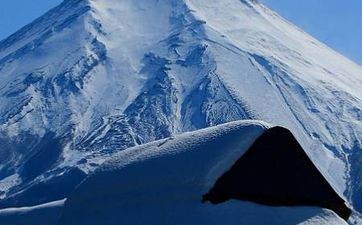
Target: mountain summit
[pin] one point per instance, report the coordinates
(91, 78)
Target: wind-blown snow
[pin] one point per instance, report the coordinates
(93, 77)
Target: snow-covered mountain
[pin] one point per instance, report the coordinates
(93, 77)
(165, 182)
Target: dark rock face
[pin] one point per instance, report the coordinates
(276, 171)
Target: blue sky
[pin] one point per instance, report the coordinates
(15, 14)
(336, 23)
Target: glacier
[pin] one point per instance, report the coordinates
(93, 77)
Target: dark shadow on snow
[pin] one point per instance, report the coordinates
(276, 171)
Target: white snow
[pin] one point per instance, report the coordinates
(45, 214)
(163, 183)
(224, 60)
(9, 182)
(317, 92)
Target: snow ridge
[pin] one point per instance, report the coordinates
(98, 76)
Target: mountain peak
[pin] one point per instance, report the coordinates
(96, 77)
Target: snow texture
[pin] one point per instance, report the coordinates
(93, 77)
(45, 214)
(163, 183)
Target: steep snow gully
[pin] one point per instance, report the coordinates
(91, 78)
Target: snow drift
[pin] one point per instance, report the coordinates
(45, 214)
(276, 171)
(163, 182)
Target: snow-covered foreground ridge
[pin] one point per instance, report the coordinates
(93, 77)
(45, 214)
(163, 182)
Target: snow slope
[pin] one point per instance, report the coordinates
(45, 214)
(163, 183)
(93, 77)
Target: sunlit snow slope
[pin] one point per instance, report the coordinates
(93, 77)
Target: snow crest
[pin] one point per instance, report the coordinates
(91, 78)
